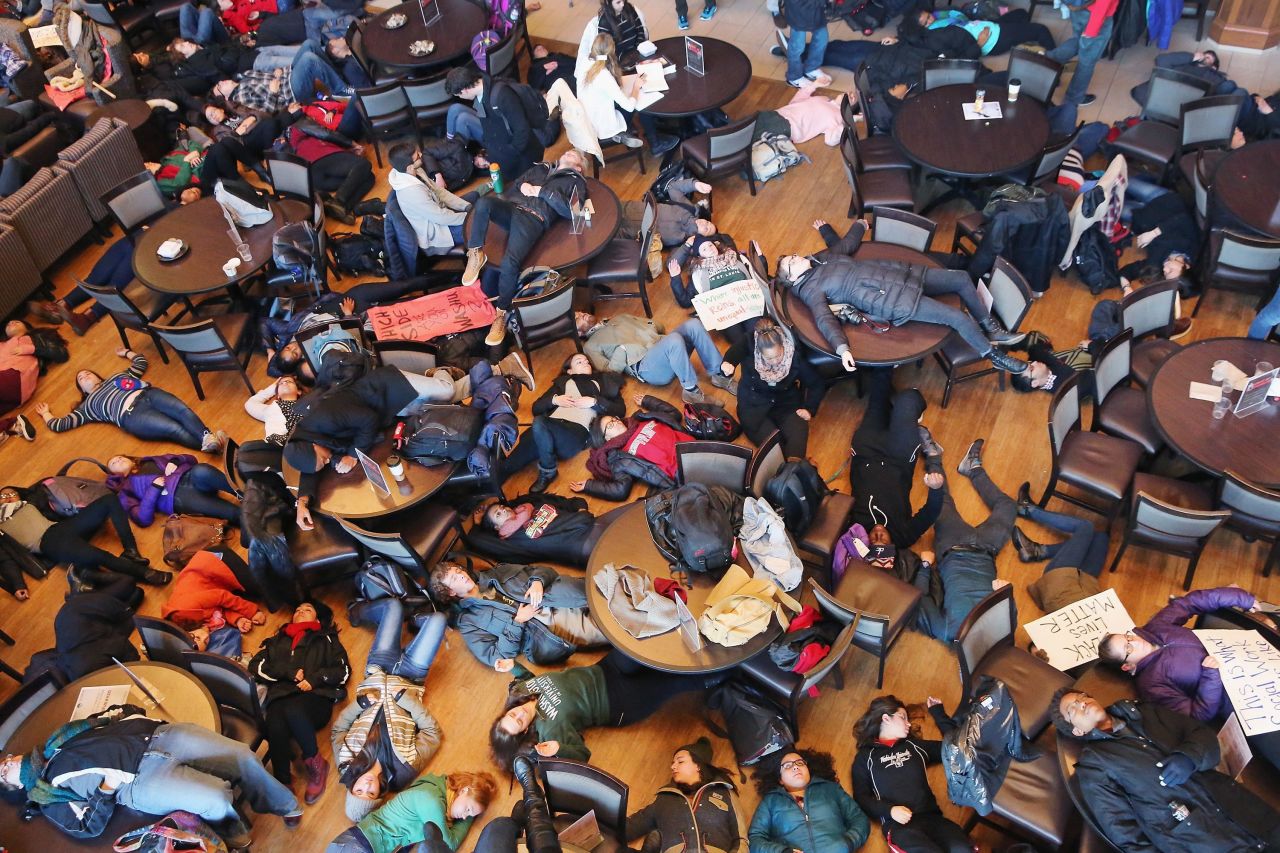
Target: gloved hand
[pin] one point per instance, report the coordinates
(1177, 769)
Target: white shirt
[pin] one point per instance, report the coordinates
(269, 413)
(601, 97)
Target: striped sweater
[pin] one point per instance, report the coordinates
(105, 404)
(415, 734)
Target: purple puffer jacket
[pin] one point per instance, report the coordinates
(139, 494)
(1172, 675)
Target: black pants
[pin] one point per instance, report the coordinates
(547, 441)
(67, 541)
(759, 422)
(889, 423)
(523, 232)
(157, 415)
(991, 535)
(345, 174)
(927, 833)
(682, 7)
(294, 719)
(635, 691)
(1016, 28)
(198, 490)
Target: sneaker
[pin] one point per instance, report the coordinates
(513, 366)
(663, 144)
(1181, 327)
(708, 13)
(972, 460)
(629, 140)
(682, 22)
(927, 444)
(777, 51)
(336, 211)
(26, 429)
(725, 383)
(798, 82)
(497, 329)
(693, 395)
(818, 77)
(476, 259)
(1088, 99)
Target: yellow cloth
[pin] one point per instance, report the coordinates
(739, 608)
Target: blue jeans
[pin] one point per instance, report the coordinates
(928, 310)
(669, 357)
(1089, 51)
(114, 269)
(1268, 318)
(197, 493)
(310, 64)
(413, 662)
(463, 121)
(157, 415)
(812, 58)
(1085, 548)
(202, 26)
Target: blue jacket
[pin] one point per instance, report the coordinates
(400, 242)
(1161, 16)
(830, 822)
(488, 625)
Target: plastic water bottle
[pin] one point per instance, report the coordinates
(495, 177)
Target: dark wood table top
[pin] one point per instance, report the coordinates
(900, 344)
(560, 248)
(459, 22)
(203, 227)
(1246, 184)
(627, 542)
(131, 111)
(931, 129)
(728, 71)
(1243, 445)
(351, 495)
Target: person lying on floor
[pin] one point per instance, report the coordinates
(167, 484)
(208, 599)
(541, 525)
(642, 447)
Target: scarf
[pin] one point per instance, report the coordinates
(32, 768)
(521, 517)
(598, 459)
(775, 370)
(297, 630)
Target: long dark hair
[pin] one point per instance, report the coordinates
(506, 746)
(867, 729)
(612, 22)
(821, 766)
(363, 761)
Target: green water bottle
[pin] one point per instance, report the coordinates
(495, 177)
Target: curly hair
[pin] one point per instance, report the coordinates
(867, 729)
(821, 766)
(1060, 722)
(436, 588)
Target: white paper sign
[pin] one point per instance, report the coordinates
(1070, 636)
(93, 700)
(1250, 669)
(990, 109)
(729, 305)
(45, 36)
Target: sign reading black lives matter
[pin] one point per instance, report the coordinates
(1070, 636)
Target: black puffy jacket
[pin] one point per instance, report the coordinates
(626, 468)
(319, 655)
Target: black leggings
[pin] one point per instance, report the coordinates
(198, 490)
(927, 833)
(1016, 28)
(67, 541)
(294, 719)
(635, 691)
(345, 174)
(157, 415)
(545, 442)
(759, 423)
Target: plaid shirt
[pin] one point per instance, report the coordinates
(255, 92)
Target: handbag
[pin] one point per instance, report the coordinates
(710, 422)
(176, 831)
(184, 535)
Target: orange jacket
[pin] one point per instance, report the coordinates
(204, 585)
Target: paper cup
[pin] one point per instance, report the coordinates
(231, 266)
(1015, 86)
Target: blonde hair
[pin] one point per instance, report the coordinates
(603, 46)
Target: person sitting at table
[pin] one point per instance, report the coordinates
(678, 219)
(803, 808)
(509, 138)
(891, 784)
(207, 599)
(78, 776)
(996, 37)
(700, 801)
(136, 406)
(304, 669)
(889, 292)
(493, 610)
(634, 346)
(435, 214)
(624, 23)
(530, 206)
(1147, 775)
(613, 113)
(170, 483)
(779, 390)
(548, 714)
(642, 447)
(275, 406)
(1171, 667)
(434, 807)
(537, 525)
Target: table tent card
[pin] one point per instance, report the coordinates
(694, 57)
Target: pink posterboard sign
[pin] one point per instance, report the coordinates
(445, 313)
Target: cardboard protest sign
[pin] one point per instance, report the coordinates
(1070, 636)
(1250, 668)
(730, 304)
(445, 313)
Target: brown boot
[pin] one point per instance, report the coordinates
(513, 366)
(46, 311)
(497, 329)
(317, 778)
(79, 323)
(476, 259)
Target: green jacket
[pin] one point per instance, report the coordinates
(830, 822)
(569, 702)
(399, 822)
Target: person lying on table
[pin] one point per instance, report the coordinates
(892, 292)
(531, 205)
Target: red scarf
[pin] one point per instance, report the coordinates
(298, 630)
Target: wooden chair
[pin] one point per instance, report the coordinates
(314, 340)
(790, 687)
(875, 603)
(949, 72)
(713, 463)
(135, 202)
(1239, 262)
(902, 228)
(428, 99)
(128, 314)
(15, 710)
(1039, 74)
(625, 260)
(212, 345)
(875, 152)
(1150, 311)
(411, 356)
(1119, 408)
(236, 693)
(1173, 517)
(886, 188)
(1011, 300)
(163, 640)
(291, 183)
(574, 788)
(1202, 123)
(500, 58)
(1255, 513)
(722, 151)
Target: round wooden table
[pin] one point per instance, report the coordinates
(203, 227)
(627, 542)
(459, 22)
(931, 129)
(351, 495)
(1243, 445)
(909, 342)
(728, 71)
(560, 248)
(1246, 186)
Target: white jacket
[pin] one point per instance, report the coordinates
(573, 115)
(267, 412)
(429, 209)
(601, 96)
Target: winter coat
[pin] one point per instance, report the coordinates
(139, 494)
(204, 585)
(488, 625)
(400, 241)
(949, 42)
(1032, 235)
(89, 630)
(1058, 588)
(888, 775)
(447, 157)
(566, 538)
(266, 511)
(881, 484)
(1172, 675)
(830, 821)
(557, 188)
(1119, 777)
(635, 604)
(508, 138)
(807, 15)
(621, 342)
(398, 822)
(801, 388)
(979, 743)
(415, 734)
(966, 580)
(711, 821)
(607, 392)
(569, 701)
(614, 468)
(319, 655)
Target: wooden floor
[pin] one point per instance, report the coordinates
(465, 696)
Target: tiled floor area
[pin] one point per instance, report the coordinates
(750, 26)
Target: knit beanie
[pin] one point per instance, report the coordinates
(699, 751)
(358, 809)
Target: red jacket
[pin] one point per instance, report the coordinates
(654, 441)
(244, 16)
(1098, 14)
(206, 584)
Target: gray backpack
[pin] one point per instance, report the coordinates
(772, 154)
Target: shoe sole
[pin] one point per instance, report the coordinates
(25, 428)
(525, 372)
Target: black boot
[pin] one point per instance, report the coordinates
(972, 460)
(132, 555)
(540, 832)
(432, 840)
(1024, 500)
(998, 334)
(335, 210)
(1003, 361)
(1029, 550)
(545, 479)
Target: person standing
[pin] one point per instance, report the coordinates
(805, 18)
(1091, 25)
(682, 12)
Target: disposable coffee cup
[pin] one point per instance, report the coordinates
(1015, 86)
(231, 266)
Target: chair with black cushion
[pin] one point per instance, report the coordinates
(1033, 805)
(874, 152)
(416, 538)
(291, 182)
(902, 228)
(127, 313)
(765, 463)
(15, 710)
(315, 339)
(877, 604)
(236, 693)
(950, 72)
(211, 345)
(968, 227)
(625, 260)
(788, 687)
(1240, 262)
(1099, 466)
(1207, 125)
(500, 58)
(428, 99)
(1044, 170)
(324, 555)
(1157, 134)
(1038, 74)
(1200, 183)
(135, 202)
(1255, 513)
(163, 641)
(1172, 517)
(1202, 123)
(713, 463)
(1119, 408)
(574, 788)
(984, 646)
(411, 356)
(1010, 302)
(1150, 312)
(129, 18)
(886, 188)
(375, 72)
(41, 149)
(386, 113)
(723, 151)
(544, 319)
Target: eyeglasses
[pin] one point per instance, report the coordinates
(791, 765)
(1128, 646)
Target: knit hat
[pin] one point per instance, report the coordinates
(699, 751)
(358, 809)
(697, 244)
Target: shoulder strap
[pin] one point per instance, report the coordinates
(62, 472)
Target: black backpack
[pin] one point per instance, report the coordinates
(1095, 261)
(357, 253)
(710, 422)
(796, 492)
(674, 171)
(695, 526)
(536, 114)
(339, 368)
(441, 432)
(754, 724)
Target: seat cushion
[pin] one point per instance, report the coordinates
(1031, 682)
(239, 726)
(1187, 163)
(887, 188)
(879, 593)
(1177, 493)
(1150, 140)
(881, 152)
(698, 149)
(1147, 356)
(1034, 798)
(325, 553)
(1097, 463)
(295, 209)
(426, 529)
(1125, 414)
(830, 523)
(233, 328)
(970, 225)
(956, 353)
(40, 150)
(619, 262)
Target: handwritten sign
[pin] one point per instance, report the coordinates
(729, 305)
(445, 313)
(1070, 636)
(1250, 668)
